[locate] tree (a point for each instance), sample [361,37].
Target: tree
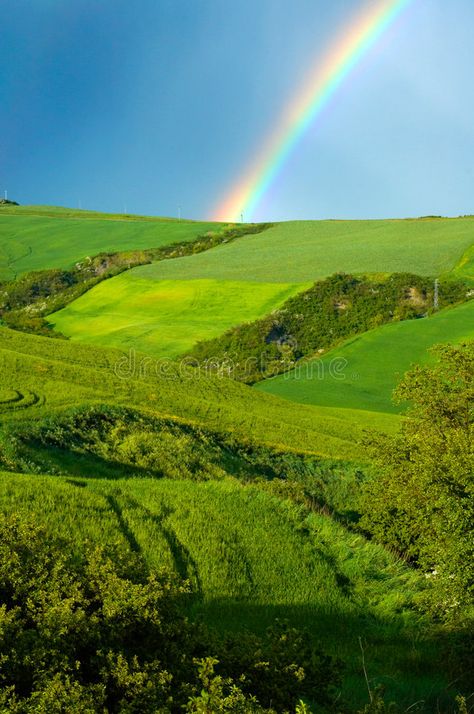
[422,503]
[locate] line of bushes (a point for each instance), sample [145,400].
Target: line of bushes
[26,302]
[317,319]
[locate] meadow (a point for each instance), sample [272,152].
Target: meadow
[164,318]
[253,495]
[41,376]
[251,557]
[301,251]
[367,368]
[166,307]
[36,238]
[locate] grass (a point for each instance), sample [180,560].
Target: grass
[55,238]
[65,212]
[165,318]
[251,557]
[301,251]
[165,308]
[363,372]
[50,375]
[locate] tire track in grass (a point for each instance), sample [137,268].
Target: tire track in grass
[21,400]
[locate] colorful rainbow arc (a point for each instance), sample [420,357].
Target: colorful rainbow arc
[323,82]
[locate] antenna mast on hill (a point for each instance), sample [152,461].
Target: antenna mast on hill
[436,294]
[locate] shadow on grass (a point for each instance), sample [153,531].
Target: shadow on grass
[404,660]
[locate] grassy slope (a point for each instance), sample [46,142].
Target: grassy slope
[368,367]
[250,557]
[300,251]
[166,318]
[57,239]
[51,374]
[156,309]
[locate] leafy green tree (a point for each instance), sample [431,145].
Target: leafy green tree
[422,502]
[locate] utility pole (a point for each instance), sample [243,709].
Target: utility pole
[436,294]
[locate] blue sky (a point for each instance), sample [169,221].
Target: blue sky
[152,104]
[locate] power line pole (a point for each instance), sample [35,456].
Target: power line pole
[436,294]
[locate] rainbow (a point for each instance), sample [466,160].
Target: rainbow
[322,83]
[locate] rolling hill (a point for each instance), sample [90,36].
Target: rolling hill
[363,372]
[250,494]
[40,237]
[166,307]
[302,251]
[43,376]
[165,318]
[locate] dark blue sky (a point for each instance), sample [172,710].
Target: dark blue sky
[153,104]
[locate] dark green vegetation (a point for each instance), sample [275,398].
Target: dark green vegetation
[319,318]
[422,503]
[175,540]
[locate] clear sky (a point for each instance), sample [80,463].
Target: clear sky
[147,105]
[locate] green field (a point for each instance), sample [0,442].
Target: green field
[366,369]
[252,494]
[166,307]
[301,251]
[165,318]
[41,376]
[52,238]
[251,557]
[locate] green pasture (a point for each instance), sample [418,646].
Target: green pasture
[166,307]
[59,239]
[300,251]
[65,212]
[251,557]
[363,372]
[41,376]
[165,318]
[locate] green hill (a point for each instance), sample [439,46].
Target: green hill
[250,557]
[41,376]
[166,307]
[301,251]
[165,318]
[363,372]
[252,495]
[36,238]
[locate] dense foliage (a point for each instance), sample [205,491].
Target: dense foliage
[100,633]
[319,318]
[25,302]
[422,503]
